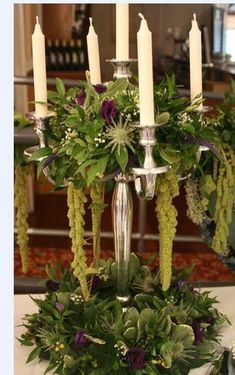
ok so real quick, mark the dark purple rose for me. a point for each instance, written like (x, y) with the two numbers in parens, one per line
(80, 338)
(198, 328)
(100, 88)
(52, 285)
(59, 306)
(80, 98)
(108, 110)
(208, 320)
(198, 332)
(135, 358)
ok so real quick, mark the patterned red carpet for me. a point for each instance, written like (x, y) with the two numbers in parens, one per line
(207, 266)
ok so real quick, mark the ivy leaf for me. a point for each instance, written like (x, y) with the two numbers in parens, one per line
(162, 118)
(81, 156)
(72, 121)
(207, 185)
(34, 354)
(40, 153)
(51, 366)
(169, 157)
(117, 86)
(189, 128)
(130, 333)
(134, 265)
(52, 95)
(59, 178)
(122, 158)
(60, 87)
(25, 341)
(95, 169)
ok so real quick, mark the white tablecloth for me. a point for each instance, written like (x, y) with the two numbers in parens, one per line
(24, 305)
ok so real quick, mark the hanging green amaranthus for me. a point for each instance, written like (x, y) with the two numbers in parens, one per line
(97, 207)
(167, 188)
(21, 223)
(224, 204)
(76, 201)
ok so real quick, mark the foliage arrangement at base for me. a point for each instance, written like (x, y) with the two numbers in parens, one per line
(158, 333)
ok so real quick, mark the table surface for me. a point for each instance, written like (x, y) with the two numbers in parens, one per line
(24, 305)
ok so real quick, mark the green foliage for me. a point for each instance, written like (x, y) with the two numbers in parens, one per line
(84, 139)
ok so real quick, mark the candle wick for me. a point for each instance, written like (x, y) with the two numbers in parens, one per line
(141, 16)
(194, 16)
(37, 19)
(90, 19)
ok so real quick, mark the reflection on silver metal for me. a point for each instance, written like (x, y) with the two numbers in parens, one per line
(121, 68)
(145, 177)
(122, 213)
(40, 124)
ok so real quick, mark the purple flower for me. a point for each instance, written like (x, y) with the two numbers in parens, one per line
(198, 332)
(135, 358)
(80, 98)
(198, 329)
(181, 284)
(100, 88)
(108, 110)
(52, 285)
(80, 338)
(95, 281)
(59, 306)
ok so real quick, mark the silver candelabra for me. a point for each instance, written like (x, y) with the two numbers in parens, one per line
(122, 207)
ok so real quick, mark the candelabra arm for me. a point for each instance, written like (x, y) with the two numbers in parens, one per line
(40, 124)
(145, 177)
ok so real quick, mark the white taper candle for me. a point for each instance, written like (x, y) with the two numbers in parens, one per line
(122, 31)
(145, 73)
(39, 70)
(195, 60)
(93, 55)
